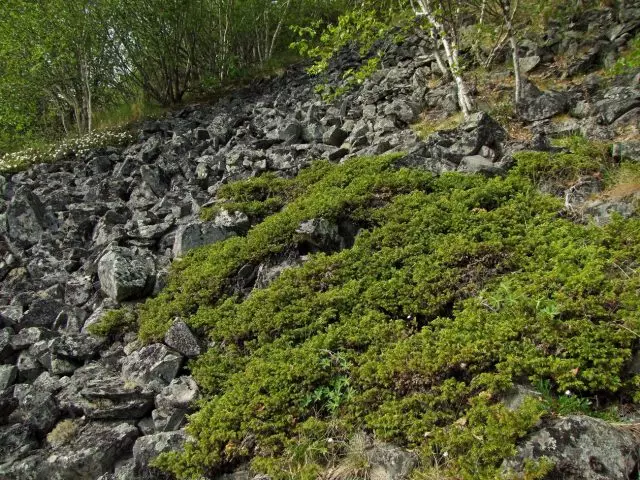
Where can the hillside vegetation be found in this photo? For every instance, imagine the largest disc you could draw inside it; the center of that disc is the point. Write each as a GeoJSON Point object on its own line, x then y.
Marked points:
{"type": "Point", "coordinates": [456, 289]}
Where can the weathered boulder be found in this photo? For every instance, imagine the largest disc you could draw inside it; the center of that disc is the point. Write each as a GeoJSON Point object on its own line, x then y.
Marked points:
{"type": "Point", "coordinates": [581, 448]}
{"type": "Point", "coordinates": [319, 234]}
{"type": "Point", "coordinates": [41, 313]}
{"type": "Point", "coordinates": [198, 234]}
{"type": "Point", "coordinates": [154, 365]}
{"type": "Point", "coordinates": [335, 136]}
{"type": "Point", "coordinates": [8, 375]}
{"type": "Point", "coordinates": [124, 275]}
{"type": "Point", "coordinates": [16, 442]}
{"type": "Point", "coordinates": [149, 447]}
{"type": "Point", "coordinates": [543, 106]}
{"type": "Point", "coordinates": [25, 218]}
{"type": "Point", "coordinates": [181, 338]}
{"type": "Point", "coordinates": [94, 450]}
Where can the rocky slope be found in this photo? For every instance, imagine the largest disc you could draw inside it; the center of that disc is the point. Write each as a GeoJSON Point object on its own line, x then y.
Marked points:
{"type": "Point", "coordinates": [99, 230]}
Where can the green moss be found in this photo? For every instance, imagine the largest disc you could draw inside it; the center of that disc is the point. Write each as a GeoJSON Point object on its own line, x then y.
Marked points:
{"type": "Point", "coordinates": [114, 322]}
{"type": "Point", "coordinates": [456, 289]}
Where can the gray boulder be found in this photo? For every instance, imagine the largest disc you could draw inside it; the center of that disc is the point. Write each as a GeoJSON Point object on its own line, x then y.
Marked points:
{"type": "Point", "coordinates": [8, 375]}
{"type": "Point", "coordinates": [124, 275]}
{"type": "Point", "coordinates": [319, 234]}
{"type": "Point", "coordinates": [25, 218]}
{"type": "Point", "coordinates": [198, 234]}
{"type": "Point", "coordinates": [149, 447]}
{"type": "Point", "coordinates": [41, 313]}
{"type": "Point", "coordinates": [402, 110]}
{"type": "Point", "coordinates": [543, 106]}
{"type": "Point", "coordinates": [478, 164]}
{"type": "Point", "coordinates": [94, 450]}
{"type": "Point", "coordinates": [581, 448]}
{"type": "Point", "coordinates": [181, 338]}
{"type": "Point", "coordinates": [154, 365]}
{"type": "Point", "coordinates": [335, 136]}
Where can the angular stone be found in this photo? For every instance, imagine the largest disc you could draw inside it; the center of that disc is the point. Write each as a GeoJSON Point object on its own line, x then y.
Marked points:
{"type": "Point", "coordinates": [181, 393]}
{"type": "Point", "coordinates": [25, 218]}
{"type": "Point", "coordinates": [6, 346]}
{"type": "Point", "coordinates": [94, 450]}
{"type": "Point", "coordinates": [124, 275]}
{"type": "Point", "coordinates": [28, 367]}
{"type": "Point", "coordinates": [149, 447]}
{"type": "Point", "coordinates": [579, 448]}
{"type": "Point", "coordinates": [41, 313]}
{"type": "Point", "coordinates": [197, 234]}
{"type": "Point", "coordinates": [335, 136]}
{"type": "Point", "coordinates": [181, 338]}
{"type": "Point", "coordinates": [8, 375]}
{"type": "Point", "coordinates": [154, 365]}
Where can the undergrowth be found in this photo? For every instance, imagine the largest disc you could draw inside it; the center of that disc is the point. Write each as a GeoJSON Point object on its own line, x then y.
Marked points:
{"type": "Point", "coordinates": [69, 147]}
{"type": "Point", "coordinates": [456, 289]}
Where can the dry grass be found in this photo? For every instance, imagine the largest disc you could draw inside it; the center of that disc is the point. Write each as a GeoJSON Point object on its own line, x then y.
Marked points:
{"type": "Point", "coordinates": [63, 433]}
{"type": "Point", "coordinates": [429, 124]}
{"type": "Point", "coordinates": [625, 183]}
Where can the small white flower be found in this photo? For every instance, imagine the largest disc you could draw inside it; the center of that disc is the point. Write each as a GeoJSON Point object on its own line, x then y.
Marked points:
{"type": "Point", "coordinates": [567, 393]}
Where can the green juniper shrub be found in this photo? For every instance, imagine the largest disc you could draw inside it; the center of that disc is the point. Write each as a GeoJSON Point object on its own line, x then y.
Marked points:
{"type": "Point", "coordinates": [456, 289]}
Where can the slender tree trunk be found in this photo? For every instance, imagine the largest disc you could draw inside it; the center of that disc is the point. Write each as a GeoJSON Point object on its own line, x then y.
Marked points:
{"type": "Point", "coordinates": [278, 28]}
{"type": "Point", "coordinates": [516, 68]}
{"type": "Point", "coordinates": [451, 53]}
{"type": "Point", "coordinates": [508, 13]}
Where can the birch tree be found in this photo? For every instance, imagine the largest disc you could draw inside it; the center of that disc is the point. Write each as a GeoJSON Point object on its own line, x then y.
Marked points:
{"type": "Point", "coordinates": [443, 17]}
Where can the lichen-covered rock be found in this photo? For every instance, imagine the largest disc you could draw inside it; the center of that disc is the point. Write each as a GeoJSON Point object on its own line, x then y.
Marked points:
{"type": "Point", "coordinates": [197, 234]}
{"type": "Point", "coordinates": [154, 365]}
{"type": "Point", "coordinates": [580, 448]}
{"type": "Point", "coordinates": [181, 338]}
{"type": "Point", "coordinates": [25, 218]}
{"type": "Point", "coordinates": [149, 447]}
{"type": "Point", "coordinates": [125, 275]}
{"type": "Point", "coordinates": [94, 450]}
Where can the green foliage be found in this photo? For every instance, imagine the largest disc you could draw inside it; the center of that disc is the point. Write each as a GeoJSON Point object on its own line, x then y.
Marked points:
{"type": "Point", "coordinates": [457, 288]}
{"type": "Point", "coordinates": [581, 157]}
{"type": "Point", "coordinates": [629, 61]}
{"type": "Point", "coordinates": [361, 28]}
{"type": "Point", "coordinates": [114, 322]}
{"type": "Point", "coordinates": [338, 193]}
